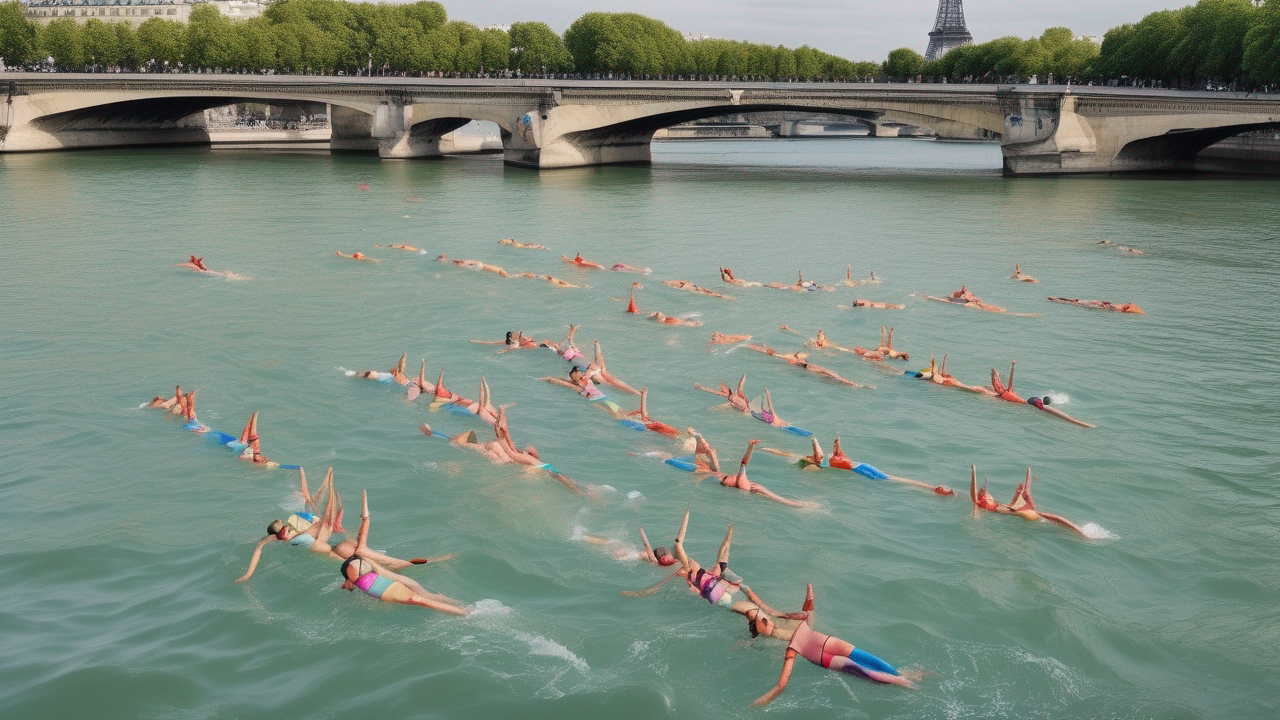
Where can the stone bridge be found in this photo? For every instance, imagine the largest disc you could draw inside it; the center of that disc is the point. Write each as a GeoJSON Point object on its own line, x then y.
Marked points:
{"type": "Point", "coordinates": [1043, 130]}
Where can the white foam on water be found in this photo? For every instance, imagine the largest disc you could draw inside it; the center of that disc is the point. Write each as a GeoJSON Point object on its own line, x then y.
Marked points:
{"type": "Point", "coordinates": [609, 488]}
{"type": "Point", "coordinates": [1058, 398]}
{"type": "Point", "coordinates": [546, 647]}
{"type": "Point", "coordinates": [422, 252]}
{"type": "Point", "coordinates": [1094, 531]}
{"type": "Point", "coordinates": [489, 608]}
{"type": "Point", "coordinates": [635, 495]}
{"type": "Point", "coordinates": [142, 405]}
{"type": "Point", "coordinates": [650, 454]}
{"type": "Point", "coordinates": [578, 532]}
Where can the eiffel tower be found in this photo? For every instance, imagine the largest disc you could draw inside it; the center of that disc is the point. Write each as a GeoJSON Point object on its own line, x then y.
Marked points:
{"type": "Point", "coordinates": [949, 31]}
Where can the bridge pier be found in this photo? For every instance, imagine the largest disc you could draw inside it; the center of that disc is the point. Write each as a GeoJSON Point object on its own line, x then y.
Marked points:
{"type": "Point", "coordinates": [350, 130]}
{"type": "Point", "coordinates": [540, 142]}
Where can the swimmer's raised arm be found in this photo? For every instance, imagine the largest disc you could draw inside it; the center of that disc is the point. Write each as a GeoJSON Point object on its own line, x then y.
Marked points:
{"type": "Point", "coordinates": [257, 555]}
{"type": "Point", "coordinates": [788, 662]}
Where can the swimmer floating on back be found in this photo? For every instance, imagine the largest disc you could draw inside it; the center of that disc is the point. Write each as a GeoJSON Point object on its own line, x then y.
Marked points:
{"type": "Point", "coordinates": [1017, 275]}
{"type": "Point", "coordinates": [514, 341]}
{"type": "Point", "coordinates": [1100, 305]}
{"type": "Point", "coordinates": [800, 360]}
{"type": "Point", "coordinates": [356, 256]}
{"type": "Point", "coordinates": [822, 650]}
{"type": "Point", "coordinates": [726, 275]}
{"type": "Point", "coordinates": [653, 425]}
{"type": "Point", "coordinates": [1121, 248]}
{"type": "Point", "coordinates": [581, 384]}
{"type": "Point", "coordinates": [399, 246]}
{"type": "Point", "coordinates": [817, 461]}
{"type": "Point", "coordinates": [522, 246]}
{"type": "Point", "coordinates": [861, 303]}
{"type": "Point", "coordinates": [690, 287]}
{"type": "Point", "coordinates": [598, 369]}
{"type": "Point", "coordinates": [719, 338]}
{"type": "Point", "coordinates": [577, 260]}
{"type": "Point", "coordinates": [1022, 505]}
{"type": "Point", "coordinates": [634, 309]}
{"type": "Point", "coordinates": [196, 264]}
{"type": "Point", "coordinates": [848, 278]}
{"type": "Point", "coordinates": [1006, 393]}
{"type": "Point", "coordinates": [548, 278]}
{"type": "Point", "coordinates": [740, 481]}
{"type": "Point", "coordinates": [376, 581]}
{"type": "Point", "coordinates": [395, 374]}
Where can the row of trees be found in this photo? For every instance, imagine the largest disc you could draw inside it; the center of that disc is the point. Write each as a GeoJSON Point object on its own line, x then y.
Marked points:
{"type": "Point", "coordinates": [330, 36]}
{"type": "Point", "coordinates": [1229, 41]}
{"type": "Point", "coordinates": [1232, 42]}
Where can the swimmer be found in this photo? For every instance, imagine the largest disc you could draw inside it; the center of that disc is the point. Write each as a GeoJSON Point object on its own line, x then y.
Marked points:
{"type": "Point", "coordinates": [660, 556]}
{"type": "Point", "coordinates": [252, 445]}
{"type": "Point", "coordinates": [522, 246]}
{"type": "Point", "coordinates": [669, 320]}
{"type": "Point", "coordinates": [1121, 248]}
{"type": "Point", "coordinates": [849, 281]}
{"type": "Point", "coordinates": [577, 260]}
{"type": "Point", "coordinates": [468, 440]}
{"type": "Point", "coordinates": [690, 287]}
{"type": "Point", "coordinates": [1100, 305]}
{"type": "Point", "coordinates": [419, 386]}
{"type": "Point", "coordinates": [643, 413]}
{"type": "Point", "coordinates": [766, 414]}
{"type": "Point", "coordinates": [839, 461]}
{"type": "Point", "coordinates": [1017, 275]}
{"type": "Point", "coordinates": [442, 394]}
{"type": "Point", "coordinates": [938, 375]}
{"type": "Point", "coordinates": [598, 369]}
{"type": "Point", "coordinates": [476, 265]}
{"type": "Point", "coordinates": [581, 384]}
{"type": "Point", "coordinates": [396, 373]}
{"type": "Point", "coordinates": [967, 299]}
{"type": "Point", "coordinates": [727, 276]}
{"type": "Point", "coordinates": [1022, 504]}
{"type": "Point", "coordinates": [356, 256]}
{"type": "Point", "coordinates": [741, 482]}
{"type": "Point", "coordinates": [553, 280]}
{"type": "Point", "coordinates": [400, 246]}
{"type": "Point", "coordinates": [882, 352]}
{"type": "Point", "coordinates": [313, 530]}
{"type": "Point", "coordinates": [529, 455]}
{"type": "Point", "coordinates": [196, 264]}
{"type": "Point", "coordinates": [514, 341]}
{"type": "Point", "coordinates": [719, 338]}
{"type": "Point", "coordinates": [999, 390]}
{"type": "Point", "coordinates": [800, 360]}
{"type": "Point", "coordinates": [568, 351]}
{"type": "Point", "coordinates": [861, 303]}
{"type": "Point", "coordinates": [377, 581]}
{"type": "Point", "coordinates": [164, 403]}
{"type": "Point", "coordinates": [802, 285]}
{"type": "Point", "coordinates": [822, 650]}
{"type": "Point", "coordinates": [623, 267]}
{"type": "Point", "coordinates": [735, 399]}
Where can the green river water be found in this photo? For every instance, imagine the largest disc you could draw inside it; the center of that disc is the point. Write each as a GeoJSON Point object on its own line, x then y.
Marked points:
{"type": "Point", "coordinates": [126, 532]}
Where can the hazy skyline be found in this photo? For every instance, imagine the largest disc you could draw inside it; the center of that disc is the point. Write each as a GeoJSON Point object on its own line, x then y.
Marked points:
{"type": "Point", "coordinates": [856, 29]}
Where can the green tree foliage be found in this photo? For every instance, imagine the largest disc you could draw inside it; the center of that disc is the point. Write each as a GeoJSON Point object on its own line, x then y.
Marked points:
{"type": "Point", "coordinates": [214, 41]}
{"type": "Point", "coordinates": [63, 40]}
{"type": "Point", "coordinates": [1261, 61]}
{"type": "Point", "coordinates": [903, 62]}
{"type": "Point", "coordinates": [1056, 52]}
{"type": "Point", "coordinates": [162, 42]}
{"type": "Point", "coordinates": [535, 48]}
{"type": "Point", "coordinates": [101, 46]}
{"type": "Point", "coordinates": [17, 35]}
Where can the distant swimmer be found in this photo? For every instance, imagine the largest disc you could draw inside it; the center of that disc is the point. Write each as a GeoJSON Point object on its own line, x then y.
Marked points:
{"type": "Point", "coordinates": [719, 338]}
{"type": "Point", "coordinates": [634, 309]}
{"type": "Point", "coordinates": [740, 480]}
{"type": "Point", "coordinates": [660, 556]}
{"type": "Point", "coordinates": [515, 340]}
{"type": "Point", "coordinates": [395, 374]}
{"type": "Point", "coordinates": [252, 446]}
{"type": "Point", "coordinates": [548, 278]}
{"type": "Point", "coordinates": [967, 299]}
{"type": "Point", "coordinates": [1017, 275]}
{"type": "Point", "coordinates": [313, 529]}
{"type": "Point", "coordinates": [643, 413]}
{"type": "Point", "coordinates": [802, 285]}
{"type": "Point", "coordinates": [883, 351]}
{"type": "Point", "coordinates": [1022, 504]}
{"type": "Point", "coordinates": [726, 275]}
{"type": "Point", "coordinates": [937, 374]}
{"type": "Point", "coordinates": [196, 264]}
{"type": "Point", "coordinates": [529, 455]}
{"type": "Point", "coordinates": [800, 360]}
{"type": "Point", "coordinates": [861, 303]}
{"type": "Point", "coordinates": [848, 278]}
{"type": "Point", "coordinates": [839, 461]}
{"type": "Point", "coordinates": [474, 265]}
{"type": "Point", "coordinates": [734, 398]}
{"type": "Point", "coordinates": [1121, 248]}
{"type": "Point", "coordinates": [164, 403]}
{"type": "Point", "coordinates": [581, 384]}
{"type": "Point", "coordinates": [762, 410]}
{"type": "Point", "coordinates": [400, 246]}
{"type": "Point", "coordinates": [356, 256]}
{"type": "Point", "coordinates": [690, 287]}
{"type": "Point", "coordinates": [822, 650]}
{"type": "Point", "coordinates": [623, 267]}
{"type": "Point", "coordinates": [577, 260]}
{"type": "Point", "coordinates": [522, 246]}
{"type": "Point", "coordinates": [1101, 305]}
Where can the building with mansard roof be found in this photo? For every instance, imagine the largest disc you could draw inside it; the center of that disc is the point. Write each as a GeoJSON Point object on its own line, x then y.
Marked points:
{"type": "Point", "coordinates": [134, 12]}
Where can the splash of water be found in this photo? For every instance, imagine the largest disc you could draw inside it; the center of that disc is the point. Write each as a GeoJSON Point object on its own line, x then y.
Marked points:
{"type": "Point", "coordinates": [1094, 531]}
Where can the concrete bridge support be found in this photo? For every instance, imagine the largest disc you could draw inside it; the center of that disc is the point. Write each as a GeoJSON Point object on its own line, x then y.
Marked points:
{"type": "Point", "coordinates": [37, 124]}
{"type": "Point", "coordinates": [1062, 133]}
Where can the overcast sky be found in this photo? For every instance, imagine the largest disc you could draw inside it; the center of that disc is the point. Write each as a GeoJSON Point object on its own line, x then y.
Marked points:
{"type": "Point", "coordinates": [856, 29]}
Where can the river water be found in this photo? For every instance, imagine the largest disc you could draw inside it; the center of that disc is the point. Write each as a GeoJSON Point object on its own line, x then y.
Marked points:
{"type": "Point", "coordinates": [126, 532]}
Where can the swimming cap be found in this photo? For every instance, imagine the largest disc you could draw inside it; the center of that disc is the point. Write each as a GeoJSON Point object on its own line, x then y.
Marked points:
{"type": "Point", "coordinates": [275, 527]}
{"type": "Point", "coordinates": [664, 556]}
{"type": "Point", "coordinates": [1047, 399]}
{"type": "Point", "coordinates": [1037, 402]}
